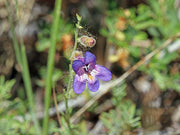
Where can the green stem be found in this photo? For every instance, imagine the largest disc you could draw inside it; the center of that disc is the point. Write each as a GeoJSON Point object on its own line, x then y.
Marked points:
{"type": "Point", "coordinates": [22, 61]}
{"type": "Point", "coordinates": [66, 95]}
{"type": "Point", "coordinates": [15, 42]}
{"type": "Point", "coordinates": [70, 65]}
{"type": "Point", "coordinates": [16, 7]}
{"type": "Point", "coordinates": [67, 118]}
{"type": "Point", "coordinates": [50, 64]}
{"type": "Point", "coordinates": [28, 87]}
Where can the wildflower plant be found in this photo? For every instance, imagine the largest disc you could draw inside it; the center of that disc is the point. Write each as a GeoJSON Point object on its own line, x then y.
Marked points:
{"type": "Point", "coordinates": [87, 71]}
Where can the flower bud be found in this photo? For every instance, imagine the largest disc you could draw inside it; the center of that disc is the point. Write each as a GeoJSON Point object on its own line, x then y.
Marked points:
{"type": "Point", "coordinates": [87, 41]}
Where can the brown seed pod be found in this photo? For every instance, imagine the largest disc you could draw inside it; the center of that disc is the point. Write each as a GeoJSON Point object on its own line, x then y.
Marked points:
{"type": "Point", "coordinates": [87, 41]}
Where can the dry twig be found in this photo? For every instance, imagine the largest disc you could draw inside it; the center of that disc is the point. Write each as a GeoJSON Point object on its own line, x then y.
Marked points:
{"type": "Point", "coordinates": [55, 102]}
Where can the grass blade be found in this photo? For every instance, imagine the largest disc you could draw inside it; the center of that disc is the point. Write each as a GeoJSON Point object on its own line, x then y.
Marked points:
{"type": "Point", "coordinates": [50, 64]}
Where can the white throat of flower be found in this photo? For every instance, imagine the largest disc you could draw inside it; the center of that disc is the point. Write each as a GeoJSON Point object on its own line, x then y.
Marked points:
{"type": "Point", "coordinates": [90, 77]}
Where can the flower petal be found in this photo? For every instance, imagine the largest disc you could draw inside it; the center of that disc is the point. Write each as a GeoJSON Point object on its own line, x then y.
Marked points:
{"type": "Point", "coordinates": [77, 64]}
{"type": "Point", "coordinates": [89, 58]}
{"type": "Point", "coordinates": [78, 86]}
{"type": "Point", "coordinates": [103, 73]}
{"type": "Point", "coordinates": [81, 59]}
{"type": "Point", "coordinates": [93, 86]}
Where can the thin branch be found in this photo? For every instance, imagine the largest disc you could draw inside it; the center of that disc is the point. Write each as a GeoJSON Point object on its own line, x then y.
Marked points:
{"type": "Point", "coordinates": [56, 107]}
{"type": "Point", "coordinates": [118, 81]}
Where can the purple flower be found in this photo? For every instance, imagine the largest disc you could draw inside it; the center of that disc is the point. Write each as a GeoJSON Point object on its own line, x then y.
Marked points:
{"type": "Point", "coordinates": [88, 71]}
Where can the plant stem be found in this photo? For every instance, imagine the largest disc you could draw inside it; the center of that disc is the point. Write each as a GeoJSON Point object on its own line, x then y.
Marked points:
{"type": "Point", "coordinates": [22, 61]}
{"type": "Point", "coordinates": [28, 87]}
{"type": "Point", "coordinates": [67, 117]}
{"type": "Point", "coordinates": [50, 64]}
{"type": "Point", "coordinates": [15, 42]}
{"type": "Point", "coordinates": [56, 107]}
{"type": "Point", "coordinates": [66, 95]}
{"type": "Point", "coordinates": [70, 65]}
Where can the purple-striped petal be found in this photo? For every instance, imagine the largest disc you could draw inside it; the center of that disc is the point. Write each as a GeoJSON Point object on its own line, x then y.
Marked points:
{"type": "Point", "coordinates": [103, 73]}
{"type": "Point", "coordinates": [78, 86]}
{"type": "Point", "coordinates": [89, 58]}
{"type": "Point", "coordinates": [77, 64]}
{"type": "Point", "coordinates": [93, 86]}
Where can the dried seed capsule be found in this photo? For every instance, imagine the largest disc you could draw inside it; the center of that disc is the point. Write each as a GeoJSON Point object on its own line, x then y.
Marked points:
{"type": "Point", "coordinates": [87, 41]}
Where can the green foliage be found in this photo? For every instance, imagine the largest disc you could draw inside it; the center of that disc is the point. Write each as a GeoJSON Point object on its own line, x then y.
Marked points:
{"type": "Point", "coordinates": [154, 19]}
{"type": "Point", "coordinates": [123, 118]}
{"type": "Point", "coordinates": [64, 130]}
{"type": "Point", "coordinates": [118, 94]}
{"type": "Point", "coordinates": [152, 22]}
{"type": "Point", "coordinates": [10, 110]}
{"type": "Point", "coordinates": [157, 18]}
{"type": "Point", "coordinates": [5, 87]}
{"type": "Point", "coordinates": [159, 70]}
{"type": "Point", "coordinates": [10, 126]}
{"type": "Point", "coordinates": [167, 81]}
